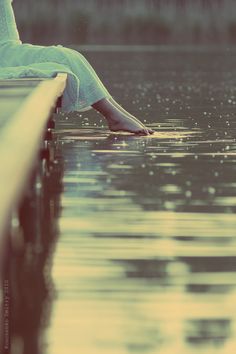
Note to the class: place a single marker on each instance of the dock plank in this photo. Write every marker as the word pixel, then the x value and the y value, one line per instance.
pixel 20 140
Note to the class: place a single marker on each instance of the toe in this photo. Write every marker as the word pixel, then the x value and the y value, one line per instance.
pixel 147 130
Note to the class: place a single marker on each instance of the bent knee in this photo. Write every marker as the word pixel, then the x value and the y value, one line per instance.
pixel 63 55
pixel 54 54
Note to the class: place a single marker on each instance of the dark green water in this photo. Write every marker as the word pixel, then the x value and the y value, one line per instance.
pixel 142 249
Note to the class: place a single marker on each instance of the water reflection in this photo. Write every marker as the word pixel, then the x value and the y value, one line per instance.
pixel 143 243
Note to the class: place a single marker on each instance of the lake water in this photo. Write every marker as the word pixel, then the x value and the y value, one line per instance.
pixel 139 254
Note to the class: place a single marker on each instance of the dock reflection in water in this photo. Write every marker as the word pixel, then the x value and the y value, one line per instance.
pixel 145 259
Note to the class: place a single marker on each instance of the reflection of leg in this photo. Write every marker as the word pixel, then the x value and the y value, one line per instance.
pixel 119 119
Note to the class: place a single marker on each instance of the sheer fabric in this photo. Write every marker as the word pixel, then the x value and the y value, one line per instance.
pixel 83 87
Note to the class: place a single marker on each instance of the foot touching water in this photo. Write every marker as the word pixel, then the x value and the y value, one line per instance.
pixel 119 119
pixel 122 122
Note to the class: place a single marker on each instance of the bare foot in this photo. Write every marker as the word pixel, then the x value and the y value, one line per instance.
pixel 119 119
pixel 122 122
pixel 121 109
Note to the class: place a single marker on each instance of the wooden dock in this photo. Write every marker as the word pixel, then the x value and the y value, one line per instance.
pixel 26 108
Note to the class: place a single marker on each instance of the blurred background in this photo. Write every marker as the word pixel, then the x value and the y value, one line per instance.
pixel 127 21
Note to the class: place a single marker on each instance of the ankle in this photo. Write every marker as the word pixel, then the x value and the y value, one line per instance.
pixel 104 107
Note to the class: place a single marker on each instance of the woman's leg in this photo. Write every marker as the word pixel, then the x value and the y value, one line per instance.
pixel 94 94
pixel 126 112
pixel 119 119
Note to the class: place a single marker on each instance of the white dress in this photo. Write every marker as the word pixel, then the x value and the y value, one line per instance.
pixel 84 88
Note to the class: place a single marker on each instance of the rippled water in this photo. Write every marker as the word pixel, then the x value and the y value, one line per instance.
pixel 144 257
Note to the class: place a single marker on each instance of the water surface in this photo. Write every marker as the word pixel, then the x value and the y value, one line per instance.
pixel 144 259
